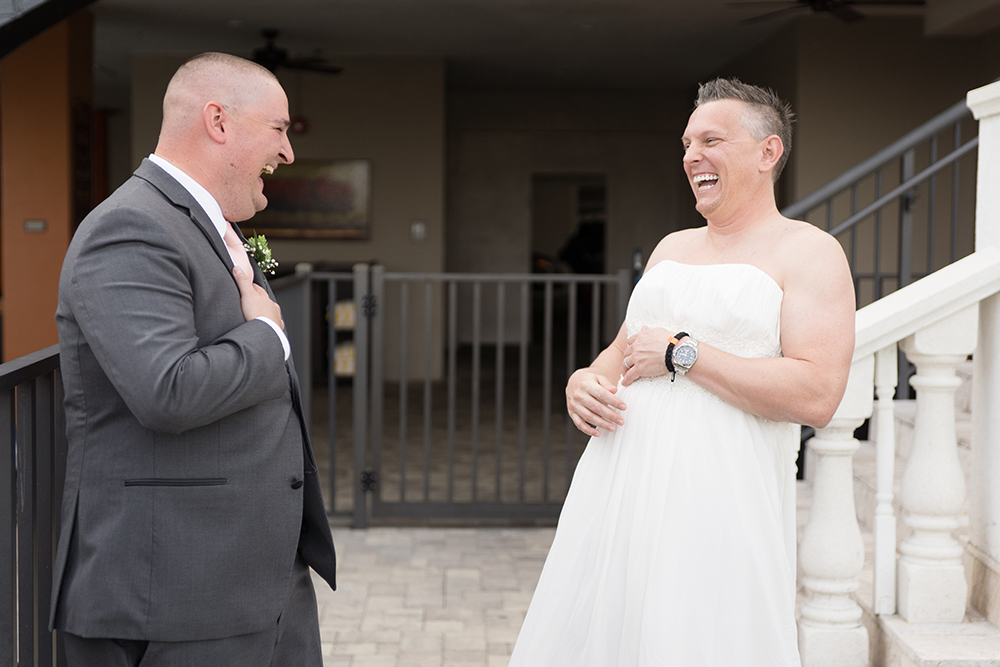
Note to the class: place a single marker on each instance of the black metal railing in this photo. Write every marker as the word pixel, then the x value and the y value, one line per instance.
pixel 906 211
pixel 32 470
pixel 471 428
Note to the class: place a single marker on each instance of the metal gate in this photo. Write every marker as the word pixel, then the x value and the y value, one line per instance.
pixel 455 404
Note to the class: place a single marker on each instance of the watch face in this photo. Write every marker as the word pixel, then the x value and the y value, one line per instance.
pixel 685 356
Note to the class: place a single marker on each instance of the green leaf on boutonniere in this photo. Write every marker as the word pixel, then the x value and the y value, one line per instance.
pixel 257 246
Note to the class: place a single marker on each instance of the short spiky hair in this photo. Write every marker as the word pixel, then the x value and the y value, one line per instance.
pixel 766 113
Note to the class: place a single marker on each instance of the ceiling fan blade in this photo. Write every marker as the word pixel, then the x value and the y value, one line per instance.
pixel 762 3
pixel 889 3
pixel 767 16
pixel 269 56
pixel 272 57
pixel 312 65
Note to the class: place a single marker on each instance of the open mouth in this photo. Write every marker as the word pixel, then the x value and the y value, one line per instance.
pixel 705 181
pixel 268 169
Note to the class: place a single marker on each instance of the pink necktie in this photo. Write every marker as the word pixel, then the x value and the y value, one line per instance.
pixel 237 251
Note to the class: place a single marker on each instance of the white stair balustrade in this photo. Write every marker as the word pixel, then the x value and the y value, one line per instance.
pixel 831 552
pixel 932 586
pixel 984 489
pixel 885 518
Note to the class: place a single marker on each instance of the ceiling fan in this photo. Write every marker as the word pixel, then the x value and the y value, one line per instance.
pixel 841 9
pixel 273 57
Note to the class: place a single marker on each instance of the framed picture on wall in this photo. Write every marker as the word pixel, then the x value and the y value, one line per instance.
pixel 317 199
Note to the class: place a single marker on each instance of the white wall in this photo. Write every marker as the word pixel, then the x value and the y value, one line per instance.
pixel 387 111
pixel 498 140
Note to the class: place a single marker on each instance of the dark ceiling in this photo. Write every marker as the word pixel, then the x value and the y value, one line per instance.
pixel 485 43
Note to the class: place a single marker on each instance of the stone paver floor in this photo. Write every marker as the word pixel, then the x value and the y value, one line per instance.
pixel 442 597
pixel 429 597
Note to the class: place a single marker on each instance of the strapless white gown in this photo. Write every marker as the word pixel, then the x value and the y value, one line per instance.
pixel 676 544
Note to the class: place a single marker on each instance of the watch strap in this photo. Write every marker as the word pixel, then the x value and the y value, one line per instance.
pixel 668 358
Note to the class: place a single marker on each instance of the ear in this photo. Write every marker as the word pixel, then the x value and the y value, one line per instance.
pixel 771 150
pixel 216 120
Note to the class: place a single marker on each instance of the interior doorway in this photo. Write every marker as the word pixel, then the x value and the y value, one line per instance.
pixel 568 223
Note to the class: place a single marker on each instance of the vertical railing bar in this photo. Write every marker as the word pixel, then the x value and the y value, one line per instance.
pixel 59 456
pixel 27 604
pixel 360 390
pixel 829 214
pixel 878 237
pixel 595 318
pixel 547 390
pixel 378 376
pixel 854 259
pixel 331 374
pixel 570 367
pixel 476 359
pixel 404 402
pixel 931 203
pixel 906 205
pixel 44 415
pixel 8 528
pixel 452 393
pixel 522 407
pixel 954 195
pixel 854 241
pixel 305 378
pixel 428 334
pixel 501 323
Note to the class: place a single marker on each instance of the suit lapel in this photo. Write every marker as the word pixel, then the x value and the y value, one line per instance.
pixel 258 275
pixel 179 196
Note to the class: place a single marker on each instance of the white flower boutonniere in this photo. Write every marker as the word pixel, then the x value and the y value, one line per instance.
pixel 257 246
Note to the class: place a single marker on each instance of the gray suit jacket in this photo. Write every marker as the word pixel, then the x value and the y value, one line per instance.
pixel 190 480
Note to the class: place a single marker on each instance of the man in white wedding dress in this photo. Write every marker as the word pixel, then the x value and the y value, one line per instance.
pixel 675 546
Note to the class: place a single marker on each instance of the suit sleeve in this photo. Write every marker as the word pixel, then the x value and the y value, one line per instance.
pixel 131 291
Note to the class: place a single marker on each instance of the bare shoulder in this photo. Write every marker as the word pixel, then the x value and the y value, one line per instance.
pixel 804 250
pixel 816 277
pixel 806 236
pixel 676 246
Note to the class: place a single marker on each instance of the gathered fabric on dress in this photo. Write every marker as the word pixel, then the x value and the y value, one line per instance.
pixel 676 544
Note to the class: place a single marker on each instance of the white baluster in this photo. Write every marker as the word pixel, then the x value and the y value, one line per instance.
pixel 831 552
pixel 885 459
pixel 932 584
pixel 984 499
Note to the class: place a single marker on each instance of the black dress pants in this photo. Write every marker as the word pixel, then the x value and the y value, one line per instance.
pixel 294 641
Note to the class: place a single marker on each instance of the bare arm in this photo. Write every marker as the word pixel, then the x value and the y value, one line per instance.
pixel 806 384
pixel 590 392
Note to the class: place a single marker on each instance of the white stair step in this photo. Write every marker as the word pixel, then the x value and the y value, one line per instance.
pixel 973 643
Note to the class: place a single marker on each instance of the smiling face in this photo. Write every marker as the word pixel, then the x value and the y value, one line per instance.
pixel 721 159
pixel 257 144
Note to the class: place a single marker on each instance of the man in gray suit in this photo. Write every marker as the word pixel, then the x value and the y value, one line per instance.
pixel 192 508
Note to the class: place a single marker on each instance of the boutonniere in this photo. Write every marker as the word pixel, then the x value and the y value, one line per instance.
pixel 257 246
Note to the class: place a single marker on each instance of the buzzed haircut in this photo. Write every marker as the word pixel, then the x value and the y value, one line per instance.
pixel 766 113
pixel 197 67
pixel 215 58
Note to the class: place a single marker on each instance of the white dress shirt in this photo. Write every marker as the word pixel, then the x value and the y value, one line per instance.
pixel 211 207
